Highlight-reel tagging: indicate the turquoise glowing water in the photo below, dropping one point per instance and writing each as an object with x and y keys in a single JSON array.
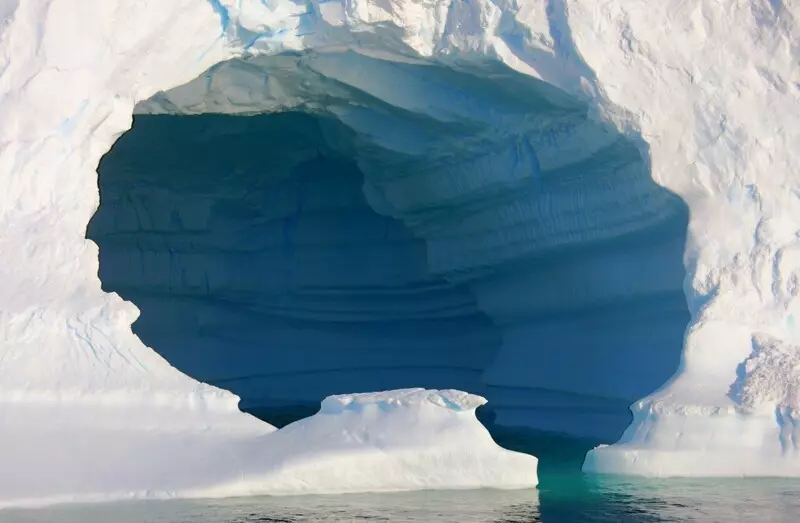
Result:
[{"x": 567, "y": 498}]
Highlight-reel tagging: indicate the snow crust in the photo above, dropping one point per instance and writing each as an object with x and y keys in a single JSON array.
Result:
[{"x": 707, "y": 92}]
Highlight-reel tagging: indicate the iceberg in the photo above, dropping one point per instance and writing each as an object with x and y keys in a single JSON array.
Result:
[
  {"x": 566, "y": 207},
  {"x": 388, "y": 441}
]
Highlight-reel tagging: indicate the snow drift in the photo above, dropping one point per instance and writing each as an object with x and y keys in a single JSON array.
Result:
[{"x": 496, "y": 135}]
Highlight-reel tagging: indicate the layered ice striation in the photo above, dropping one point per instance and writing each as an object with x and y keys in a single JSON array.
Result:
[
  {"x": 519, "y": 171},
  {"x": 375, "y": 237},
  {"x": 263, "y": 270}
]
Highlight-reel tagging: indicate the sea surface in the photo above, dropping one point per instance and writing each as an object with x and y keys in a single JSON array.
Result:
[{"x": 567, "y": 498}]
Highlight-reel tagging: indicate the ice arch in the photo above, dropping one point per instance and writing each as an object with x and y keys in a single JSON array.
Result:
[
  {"x": 427, "y": 226},
  {"x": 694, "y": 79}
]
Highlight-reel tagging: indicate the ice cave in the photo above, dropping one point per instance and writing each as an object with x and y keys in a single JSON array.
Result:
[
  {"x": 293, "y": 250},
  {"x": 277, "y": 248}
]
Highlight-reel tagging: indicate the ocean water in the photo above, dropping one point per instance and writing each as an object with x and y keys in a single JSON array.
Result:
[{"x": 568, "y": 498}]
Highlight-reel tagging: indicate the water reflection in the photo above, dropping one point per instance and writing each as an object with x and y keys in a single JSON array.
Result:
[
  {"x": 562, "y": 498},
  {"x": 774, "y": 500},
  {"x": 411, "y": 507},
  {"x": 574, "y": 497}
]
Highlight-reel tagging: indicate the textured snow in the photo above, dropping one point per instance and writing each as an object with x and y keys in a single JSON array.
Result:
[
  {"x": 701, "y": 96},
  {"x": 770, "y": 376}
]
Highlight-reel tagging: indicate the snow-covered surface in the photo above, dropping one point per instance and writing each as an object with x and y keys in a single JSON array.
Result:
[
  {"x": 387, "y": 441},
  {"x": 707, "y": 92}
]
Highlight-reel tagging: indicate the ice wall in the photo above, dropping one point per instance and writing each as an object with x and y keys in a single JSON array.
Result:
[
  {"x": 716, "y": 99},
  {"x": 711, "y": 87}
]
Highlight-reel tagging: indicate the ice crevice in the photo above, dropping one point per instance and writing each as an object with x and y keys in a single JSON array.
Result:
[{"x": 566, "y": 208}]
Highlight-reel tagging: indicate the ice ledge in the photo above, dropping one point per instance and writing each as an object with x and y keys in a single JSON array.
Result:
[
  {"x": 407, "y": 439},
  {"x": 752, "y": 429},
  {"x": 669, "y": 440},
  {"x": 642, "y": 461}
]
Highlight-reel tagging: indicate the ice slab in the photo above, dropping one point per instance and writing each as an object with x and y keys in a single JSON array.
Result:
[{"x": 387, "y": 441}]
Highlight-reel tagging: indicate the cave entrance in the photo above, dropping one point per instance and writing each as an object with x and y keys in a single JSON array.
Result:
[
  {"x": 292, "y": 227},
  {"x": 259, "y": 267}
]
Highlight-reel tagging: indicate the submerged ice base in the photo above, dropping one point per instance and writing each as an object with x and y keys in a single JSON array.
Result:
[
  {"x": 714, "y": 442},
  {"x": 683, "y": 431},
  {"x": 387, "y": 441}
]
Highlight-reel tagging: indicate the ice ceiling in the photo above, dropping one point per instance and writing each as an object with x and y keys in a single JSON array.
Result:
[{"x": 301, "y": 225}]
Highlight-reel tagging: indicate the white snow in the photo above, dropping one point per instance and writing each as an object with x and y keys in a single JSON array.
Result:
[
  {"x": 701, "y": 96},
  {"x": 386, "y": 441}
]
